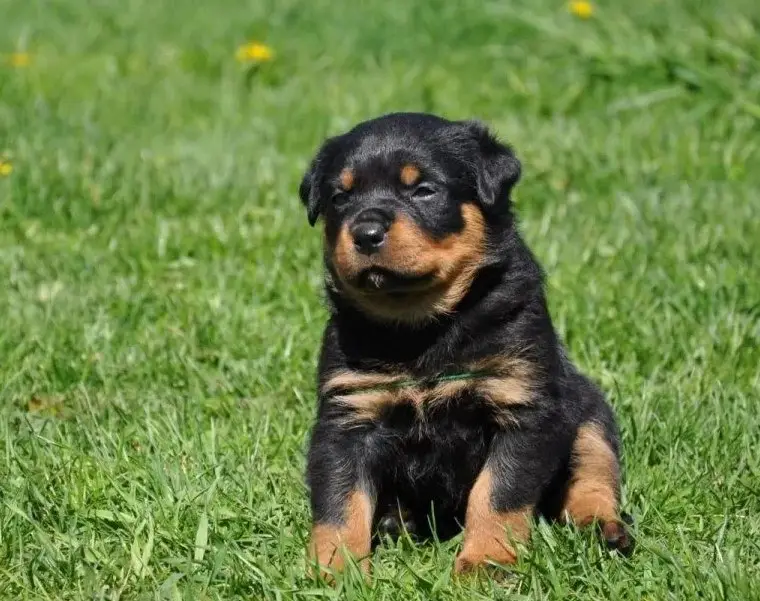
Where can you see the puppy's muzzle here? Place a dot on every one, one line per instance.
(369, 229)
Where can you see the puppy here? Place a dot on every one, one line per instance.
(445, 396)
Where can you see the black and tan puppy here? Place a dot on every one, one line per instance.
(445, 396)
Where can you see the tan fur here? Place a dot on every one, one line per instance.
(512, 365)
(487, 532)
(451, 263)
(409, 175)
(510, 385)
(350, 380)
(330, 542)
(366, 406)
(444, 391)
(592, 494)
(347, 179)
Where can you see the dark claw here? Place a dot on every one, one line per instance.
(618, 536)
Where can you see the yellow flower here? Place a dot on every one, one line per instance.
(19, 59)
(581, 8)
(5, 168)
(254, 52)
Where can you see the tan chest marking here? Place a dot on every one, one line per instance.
(368, 394)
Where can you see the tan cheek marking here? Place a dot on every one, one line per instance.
(329, 542)
(347, 179)
(454, 261)
(409, 175)
(593, 490)
(344, 256)
(488, 531)
(407, 248)
(412, 249)
(460, 258)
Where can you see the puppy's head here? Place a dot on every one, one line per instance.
(406, 201)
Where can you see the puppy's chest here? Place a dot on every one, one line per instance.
(428, 414)
(478, 396)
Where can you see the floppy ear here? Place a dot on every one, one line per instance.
(309, 190)
(498, 169)
(311, 184)
(309, 193)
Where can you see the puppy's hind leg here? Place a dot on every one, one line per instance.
(593, 493)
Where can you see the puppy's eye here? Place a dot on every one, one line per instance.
(423, 191)
(339, 198)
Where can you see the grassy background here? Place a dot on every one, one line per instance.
(161, 303)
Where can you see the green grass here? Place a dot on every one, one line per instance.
(161, 303)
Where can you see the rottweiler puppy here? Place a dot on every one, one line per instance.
(445, 396)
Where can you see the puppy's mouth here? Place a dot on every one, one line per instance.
(380, 280)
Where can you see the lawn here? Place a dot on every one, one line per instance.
(161, 302)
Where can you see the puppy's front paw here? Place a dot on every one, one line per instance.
(473, 558)
(330, 548)
(327, 570)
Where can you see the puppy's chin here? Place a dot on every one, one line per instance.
(382, 300)
(414, 278)
(381, 280)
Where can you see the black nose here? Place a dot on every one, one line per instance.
(368, 231)
(368, 236)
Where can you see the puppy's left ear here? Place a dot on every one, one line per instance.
(311, 184)
(498, 169)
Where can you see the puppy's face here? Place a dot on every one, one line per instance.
(406, 201)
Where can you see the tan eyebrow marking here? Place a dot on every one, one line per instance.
(409, 175)
(346, 178)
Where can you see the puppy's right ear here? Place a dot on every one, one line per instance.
(309, 193)
(310, 189)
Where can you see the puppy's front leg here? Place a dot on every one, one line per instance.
(342, 498)
(502, 500)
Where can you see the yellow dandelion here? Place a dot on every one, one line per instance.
(254, 52)
(581, 9)
(19, 59)
(5, 168)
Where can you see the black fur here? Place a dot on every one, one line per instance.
(398, 459)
